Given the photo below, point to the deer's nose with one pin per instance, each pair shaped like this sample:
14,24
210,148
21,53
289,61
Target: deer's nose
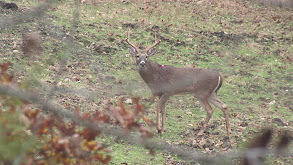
142,63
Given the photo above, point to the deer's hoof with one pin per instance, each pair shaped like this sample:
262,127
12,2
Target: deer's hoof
227,138
224,106
159,131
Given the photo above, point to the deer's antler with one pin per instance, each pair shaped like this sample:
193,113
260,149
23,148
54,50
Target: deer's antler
155,44
127,40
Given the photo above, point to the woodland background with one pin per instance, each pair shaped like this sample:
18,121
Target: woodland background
70,92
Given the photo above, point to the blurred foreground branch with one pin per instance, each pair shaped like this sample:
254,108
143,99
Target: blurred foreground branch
186,153
56,109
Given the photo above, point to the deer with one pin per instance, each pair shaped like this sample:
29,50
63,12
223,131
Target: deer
165,81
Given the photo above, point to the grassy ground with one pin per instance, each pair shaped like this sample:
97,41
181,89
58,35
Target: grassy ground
251,45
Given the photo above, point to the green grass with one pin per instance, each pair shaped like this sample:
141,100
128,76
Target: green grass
250,45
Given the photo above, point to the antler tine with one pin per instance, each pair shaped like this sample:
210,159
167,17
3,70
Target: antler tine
155,44
127,40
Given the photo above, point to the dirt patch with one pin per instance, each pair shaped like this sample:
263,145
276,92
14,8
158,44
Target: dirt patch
271,39
211,141
244,73
11,6
130,25
279,122
223,36
103,49
169,41
158,29
241,37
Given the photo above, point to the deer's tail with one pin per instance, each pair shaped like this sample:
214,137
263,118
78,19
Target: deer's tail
220,81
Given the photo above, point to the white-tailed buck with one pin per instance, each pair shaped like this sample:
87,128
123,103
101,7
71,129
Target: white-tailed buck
165,81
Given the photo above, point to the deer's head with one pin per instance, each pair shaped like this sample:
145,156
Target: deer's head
141,56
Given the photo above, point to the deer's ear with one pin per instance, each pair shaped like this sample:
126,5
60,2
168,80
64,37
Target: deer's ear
132,50
152,51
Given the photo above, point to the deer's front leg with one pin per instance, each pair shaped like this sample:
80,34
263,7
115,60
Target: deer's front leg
209,112
161,105
163,111
158,117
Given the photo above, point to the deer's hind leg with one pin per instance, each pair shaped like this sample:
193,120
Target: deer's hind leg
219,104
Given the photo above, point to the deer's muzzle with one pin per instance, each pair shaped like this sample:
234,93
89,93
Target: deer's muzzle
142,63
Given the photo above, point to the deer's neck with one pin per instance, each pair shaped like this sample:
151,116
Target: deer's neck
149,74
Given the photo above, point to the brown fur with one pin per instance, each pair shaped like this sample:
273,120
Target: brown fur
166,81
